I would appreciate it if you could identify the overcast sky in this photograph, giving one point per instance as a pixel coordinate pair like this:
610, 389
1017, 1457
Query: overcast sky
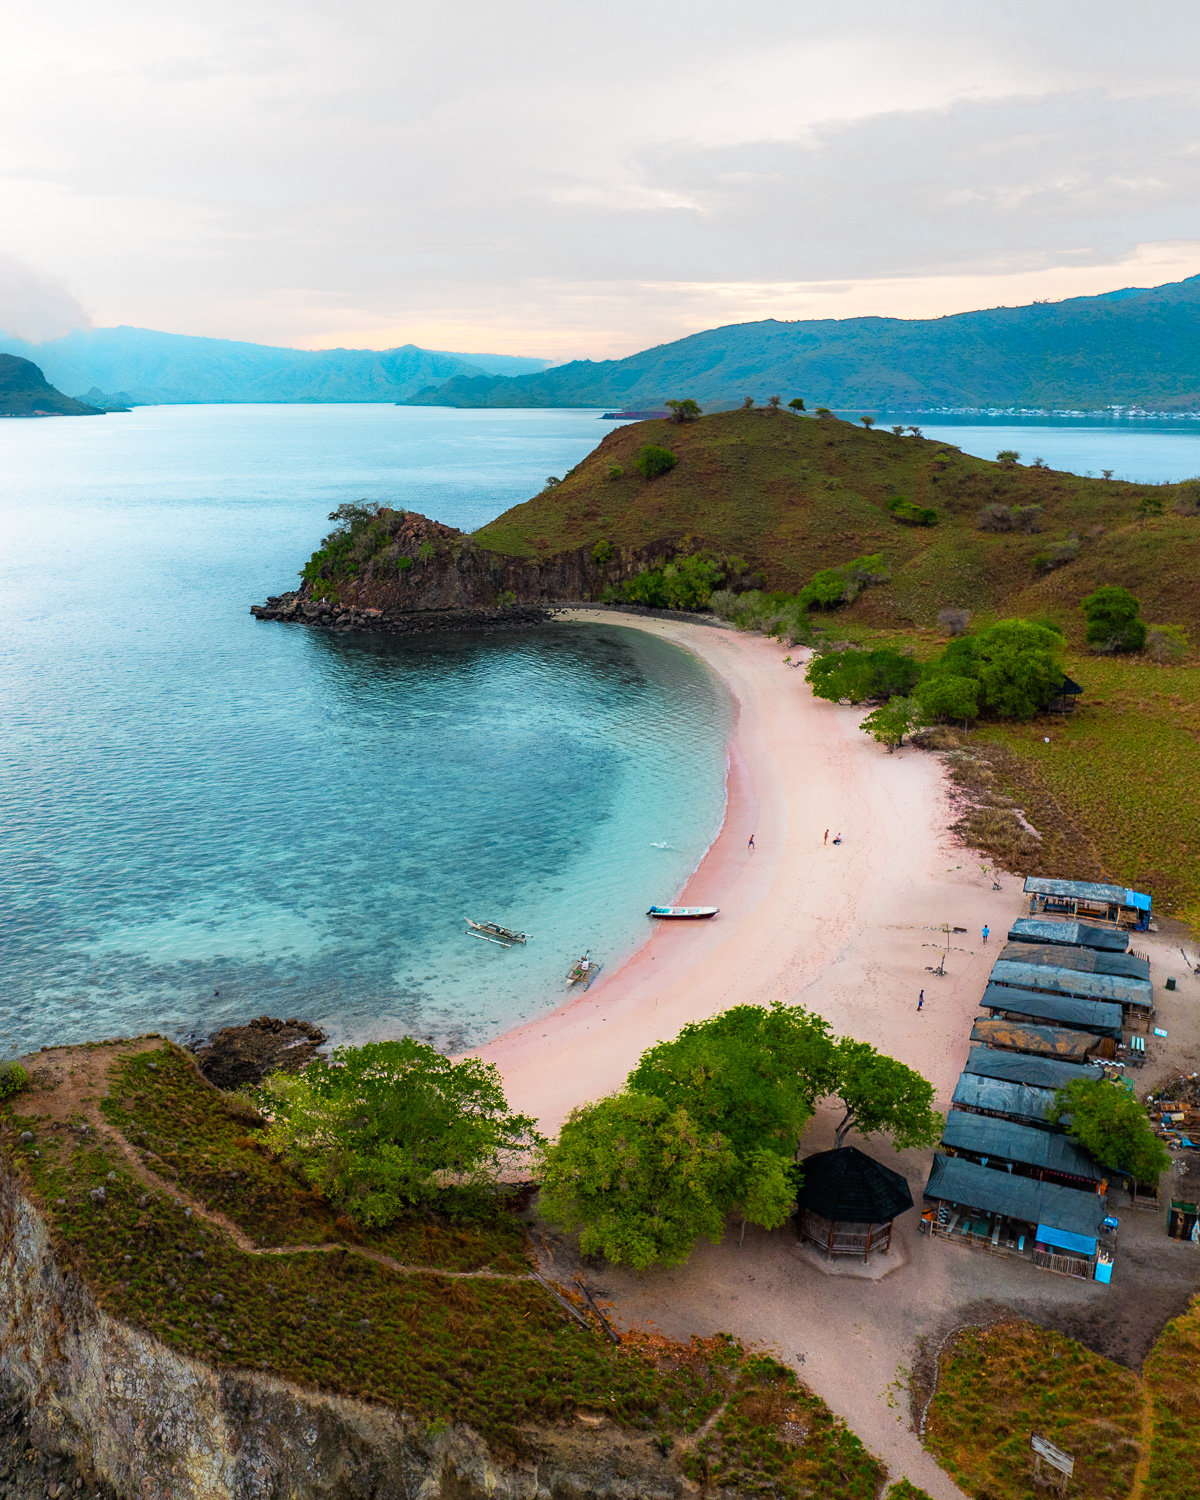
537, 177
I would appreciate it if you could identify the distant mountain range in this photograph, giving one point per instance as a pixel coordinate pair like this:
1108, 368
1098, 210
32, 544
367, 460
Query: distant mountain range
138, 365
24, 392
1134, 347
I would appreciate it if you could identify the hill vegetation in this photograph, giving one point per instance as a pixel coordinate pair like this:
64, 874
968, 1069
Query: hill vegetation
1138, 347
25, 392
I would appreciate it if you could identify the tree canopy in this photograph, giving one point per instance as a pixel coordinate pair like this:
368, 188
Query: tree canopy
878, 1093
1113, 623
684, 411
392, 1125
1017, 665
891, 721
859, 675
653, 460
1109, 1122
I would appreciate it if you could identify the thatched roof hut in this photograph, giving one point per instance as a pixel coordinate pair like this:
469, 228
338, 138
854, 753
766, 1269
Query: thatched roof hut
849, 1201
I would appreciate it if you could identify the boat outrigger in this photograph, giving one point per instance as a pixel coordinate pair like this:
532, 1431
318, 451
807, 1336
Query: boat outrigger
492, 932
584, 971
683, 911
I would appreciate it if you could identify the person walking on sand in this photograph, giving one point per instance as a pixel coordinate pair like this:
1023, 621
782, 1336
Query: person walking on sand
920, 1000
986, 930
750, 845
827, 835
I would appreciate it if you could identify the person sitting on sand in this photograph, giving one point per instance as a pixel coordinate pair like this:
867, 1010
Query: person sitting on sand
838, 840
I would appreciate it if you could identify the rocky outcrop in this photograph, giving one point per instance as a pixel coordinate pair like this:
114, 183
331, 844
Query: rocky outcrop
104, 1400
240, 1055
295, 609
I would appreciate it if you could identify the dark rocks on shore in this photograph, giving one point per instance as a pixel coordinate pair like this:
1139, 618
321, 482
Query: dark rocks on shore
294, 609
240, 1055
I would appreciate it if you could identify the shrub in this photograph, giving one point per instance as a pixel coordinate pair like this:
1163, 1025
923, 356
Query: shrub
1026, 518
615, 471
403, 564
948, 698
653, 461
747, 403
859, 675
425, 550
954, 621
1007, 457
1057, 556
602, 554
13, 1078
843, 584
1112, 620
1166, 643
1150, 505
889, 723
683, 411
1017, 665
780, 615
796, 404
911, 515
685, 583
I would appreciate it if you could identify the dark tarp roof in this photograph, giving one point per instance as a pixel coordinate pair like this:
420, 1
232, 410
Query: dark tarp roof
1100, 1017
976, 1091
1024, 1143
1071, 982
965, 1182
1069, 686
1040, 1041
1037, 1072
1086, 890
850, 1187
1082, 960
1073, 934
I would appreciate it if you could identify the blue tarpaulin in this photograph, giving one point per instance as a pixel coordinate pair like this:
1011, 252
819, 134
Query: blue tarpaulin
1063, 1239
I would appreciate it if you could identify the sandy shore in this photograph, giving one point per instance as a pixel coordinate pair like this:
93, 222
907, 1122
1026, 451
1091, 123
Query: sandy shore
850, 931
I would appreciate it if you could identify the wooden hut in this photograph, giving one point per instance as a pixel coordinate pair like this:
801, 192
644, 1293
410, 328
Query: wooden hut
849, 1202
1088, 901
1063, 701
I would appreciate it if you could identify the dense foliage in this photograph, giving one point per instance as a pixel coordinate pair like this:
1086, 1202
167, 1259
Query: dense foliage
13, 1078
1109, 1122
891, 721
854, 675
391, 1125
1113, 622
1015, 664
910, 514
686, 583
653, 460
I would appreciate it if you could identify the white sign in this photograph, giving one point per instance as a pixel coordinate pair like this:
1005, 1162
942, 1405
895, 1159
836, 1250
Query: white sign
1059, 1460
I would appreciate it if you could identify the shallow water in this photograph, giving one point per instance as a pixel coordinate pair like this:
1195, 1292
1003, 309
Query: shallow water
203, 817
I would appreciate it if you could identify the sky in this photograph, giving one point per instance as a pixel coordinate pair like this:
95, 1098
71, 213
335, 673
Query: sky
547, 178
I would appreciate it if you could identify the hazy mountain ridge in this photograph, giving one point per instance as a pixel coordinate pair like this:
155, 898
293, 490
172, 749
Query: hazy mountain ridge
152, 368
1133, 347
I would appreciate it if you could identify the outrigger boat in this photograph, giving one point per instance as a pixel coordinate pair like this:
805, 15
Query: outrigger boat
683, 911
584, 971
492, 932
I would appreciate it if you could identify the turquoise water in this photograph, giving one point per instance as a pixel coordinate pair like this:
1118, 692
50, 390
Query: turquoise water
204, 818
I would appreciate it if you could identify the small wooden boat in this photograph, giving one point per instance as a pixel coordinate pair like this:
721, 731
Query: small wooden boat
690, 912
492, 932
583, 971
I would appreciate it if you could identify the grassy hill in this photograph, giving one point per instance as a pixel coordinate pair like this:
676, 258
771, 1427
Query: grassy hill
25, 392
792, 495
1134, 347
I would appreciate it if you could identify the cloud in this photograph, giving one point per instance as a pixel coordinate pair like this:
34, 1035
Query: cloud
35, 306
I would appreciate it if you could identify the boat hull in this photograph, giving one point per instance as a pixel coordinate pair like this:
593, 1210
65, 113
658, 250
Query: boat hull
683, 913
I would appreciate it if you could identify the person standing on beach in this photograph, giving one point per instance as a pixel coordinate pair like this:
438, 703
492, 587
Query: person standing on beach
827, 835
986, 930
750, 845
920, 1000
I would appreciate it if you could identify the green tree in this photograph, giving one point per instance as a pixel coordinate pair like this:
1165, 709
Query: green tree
552, 480
13, 1078
1113, 624
889, 723
1007, 457
683, 411
947, 698
640, 1181
648, 588
690, 581
747, 403
774, 403
878, 1093
1150, 505
392, 1125
602, 554
653, 461
1167, 643
796, 404
868, 422
1108, 1121
615, 471
1017, 664
859, 675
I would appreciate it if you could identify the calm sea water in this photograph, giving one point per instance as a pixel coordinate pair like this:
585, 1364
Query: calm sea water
204, 818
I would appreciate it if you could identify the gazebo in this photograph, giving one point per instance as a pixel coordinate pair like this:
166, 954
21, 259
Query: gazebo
848, 1203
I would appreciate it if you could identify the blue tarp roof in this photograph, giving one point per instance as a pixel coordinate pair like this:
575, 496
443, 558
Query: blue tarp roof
1063, 1239
1037, 1072
1113, 987
1081, 960
1011, 1141
965, 1183
1100, 1017
1075, 934
976, 1091
1086, 890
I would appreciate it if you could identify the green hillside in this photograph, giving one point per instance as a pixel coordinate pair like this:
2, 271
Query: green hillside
25, 392
1132, 348
790, 496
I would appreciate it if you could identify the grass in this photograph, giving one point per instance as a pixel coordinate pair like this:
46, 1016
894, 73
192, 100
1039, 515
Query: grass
206, 1142
496, 1352
1172, 1376
776, 1439
998, 1385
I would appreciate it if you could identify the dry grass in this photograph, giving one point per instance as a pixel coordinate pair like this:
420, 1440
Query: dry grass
1172, 1376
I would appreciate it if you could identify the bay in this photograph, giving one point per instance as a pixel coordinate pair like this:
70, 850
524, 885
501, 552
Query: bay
203, 818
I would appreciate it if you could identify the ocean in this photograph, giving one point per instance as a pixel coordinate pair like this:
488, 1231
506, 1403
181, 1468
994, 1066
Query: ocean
204, 818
